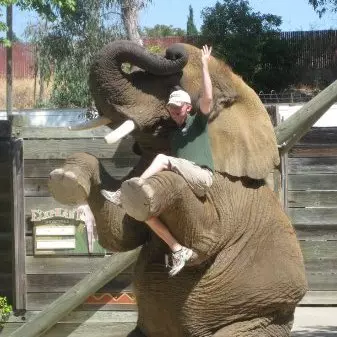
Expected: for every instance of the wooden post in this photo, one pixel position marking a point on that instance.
(297, 125)
(107, 270)
(18, 225)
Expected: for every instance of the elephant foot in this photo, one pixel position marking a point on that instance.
(136, 198)
(66, 188)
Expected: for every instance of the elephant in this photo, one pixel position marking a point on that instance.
(249, 273)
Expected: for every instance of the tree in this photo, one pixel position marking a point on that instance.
(65, 48)
(322, 6)
(191, 29)
(240, 35)
(51, 9)
(162, 31)
(129, 10)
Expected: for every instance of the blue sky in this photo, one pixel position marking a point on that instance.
(296, 14)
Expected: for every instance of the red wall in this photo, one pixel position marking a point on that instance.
(23, 57)
(23, 60)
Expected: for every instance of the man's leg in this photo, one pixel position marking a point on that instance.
(180, 254)
(199, 179)
(159, 163)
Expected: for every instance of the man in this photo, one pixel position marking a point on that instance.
(192, 156)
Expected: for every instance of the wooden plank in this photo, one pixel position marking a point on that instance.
(122, 283)
(322, 281)
(320, 298)
(29, 132)
(320, 135)
(318, 182)
(313, 216)
(18, 220)
(37, 283)
(312, 198)
(43, 203)
(118, 166)
(318, 250)
(61, 149)
(39, 301)
(316, 233)
(81, 248)
(105, 329)
(78, 316)
(64, 265)
(312, 165)
(317, 151)
(36, 187)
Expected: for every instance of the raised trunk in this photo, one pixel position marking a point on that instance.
(113, 89)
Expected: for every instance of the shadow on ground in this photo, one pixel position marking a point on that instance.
(318, 331)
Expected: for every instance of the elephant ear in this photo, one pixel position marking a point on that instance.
(242, 136)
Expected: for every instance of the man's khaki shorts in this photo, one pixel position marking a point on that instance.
(199, 179)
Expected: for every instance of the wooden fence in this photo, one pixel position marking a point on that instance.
(312, 205)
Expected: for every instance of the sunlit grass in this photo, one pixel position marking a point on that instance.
(23, 93)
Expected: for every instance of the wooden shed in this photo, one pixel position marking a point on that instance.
(33, 278)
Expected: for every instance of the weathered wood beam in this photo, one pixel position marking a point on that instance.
(108, 269)
(296, 126)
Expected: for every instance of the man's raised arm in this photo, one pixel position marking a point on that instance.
(205, 101)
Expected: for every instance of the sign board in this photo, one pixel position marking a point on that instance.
(63, 232)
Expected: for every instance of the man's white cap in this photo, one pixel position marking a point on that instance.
(179, 97)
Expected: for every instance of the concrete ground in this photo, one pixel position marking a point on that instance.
(315, 322)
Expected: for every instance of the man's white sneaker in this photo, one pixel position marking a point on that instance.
(179, 260)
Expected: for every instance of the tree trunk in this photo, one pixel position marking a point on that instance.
(130, 9)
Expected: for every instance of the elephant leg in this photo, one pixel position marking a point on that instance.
(79, 182)
(168, 196)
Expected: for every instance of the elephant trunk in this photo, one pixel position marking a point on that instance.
(112, 88)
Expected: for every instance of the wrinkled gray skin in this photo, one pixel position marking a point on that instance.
(250, 274)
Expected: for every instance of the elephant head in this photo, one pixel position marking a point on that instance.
(250, 273)
(242, 138)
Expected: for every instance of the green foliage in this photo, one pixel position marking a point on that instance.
(5, 310)
(65, 50)
(191, 29)
(249, 41)
(162, 31)
(323, 6)
(49, 9)
(155, 49)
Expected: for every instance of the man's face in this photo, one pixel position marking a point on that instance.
(179, 113)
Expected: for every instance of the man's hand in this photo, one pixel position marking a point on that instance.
(205, 54)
